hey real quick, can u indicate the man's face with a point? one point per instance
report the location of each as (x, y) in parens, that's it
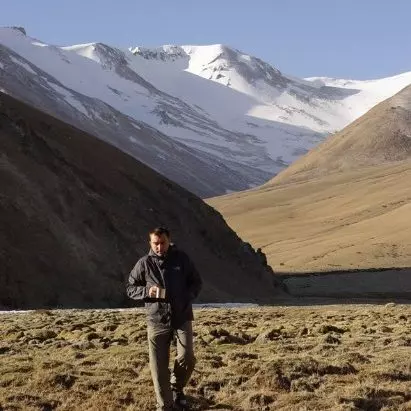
(159, 244)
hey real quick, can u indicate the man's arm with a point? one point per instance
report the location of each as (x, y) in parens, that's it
(194, 281)
(136, 287)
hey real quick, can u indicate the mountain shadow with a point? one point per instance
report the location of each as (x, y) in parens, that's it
(74, 217)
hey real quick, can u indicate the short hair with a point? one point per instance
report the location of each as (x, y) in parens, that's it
(160, 231)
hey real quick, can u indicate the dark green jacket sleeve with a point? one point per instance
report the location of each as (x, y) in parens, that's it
(136, 287)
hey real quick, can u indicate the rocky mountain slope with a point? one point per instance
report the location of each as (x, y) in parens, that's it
(74, 216)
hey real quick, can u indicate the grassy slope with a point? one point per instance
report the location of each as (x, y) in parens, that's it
(357, 219)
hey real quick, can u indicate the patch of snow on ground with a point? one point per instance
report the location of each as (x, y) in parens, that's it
(22, 64)
(70, 99)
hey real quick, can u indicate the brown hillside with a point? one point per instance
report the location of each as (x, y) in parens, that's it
(382, 135)
(351, 220)
(74, 213)
(345, 205)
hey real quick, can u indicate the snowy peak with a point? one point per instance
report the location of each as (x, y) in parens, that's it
(236, 114)
(222, 59)
(18, 28)
(109, 57)
(164, 53)
(217, 62)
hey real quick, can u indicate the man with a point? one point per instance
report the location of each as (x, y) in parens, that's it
(167, 281)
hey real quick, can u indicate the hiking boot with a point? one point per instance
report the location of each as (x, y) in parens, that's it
(180, 400)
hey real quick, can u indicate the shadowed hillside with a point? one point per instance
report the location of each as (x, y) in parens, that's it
(345, 205)
(74, 216)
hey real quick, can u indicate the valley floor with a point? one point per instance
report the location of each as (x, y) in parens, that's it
(330, 357)
(394, 284)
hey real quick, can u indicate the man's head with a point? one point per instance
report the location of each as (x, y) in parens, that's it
(160, 241)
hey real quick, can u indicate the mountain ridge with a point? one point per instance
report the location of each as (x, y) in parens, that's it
(238, 116)
(385, 137)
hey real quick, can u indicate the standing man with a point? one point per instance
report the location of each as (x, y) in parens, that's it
(167, 281)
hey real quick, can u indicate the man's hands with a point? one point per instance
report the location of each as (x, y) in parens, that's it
(152, 291)
(156, 292)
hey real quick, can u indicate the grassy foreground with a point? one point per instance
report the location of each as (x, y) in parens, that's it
(353, 357)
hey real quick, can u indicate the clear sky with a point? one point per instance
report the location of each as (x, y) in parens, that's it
(359, 39)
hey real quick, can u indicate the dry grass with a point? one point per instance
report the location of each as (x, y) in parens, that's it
(284, 358)
(351, 220)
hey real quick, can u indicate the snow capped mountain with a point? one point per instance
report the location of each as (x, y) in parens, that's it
(209, 117)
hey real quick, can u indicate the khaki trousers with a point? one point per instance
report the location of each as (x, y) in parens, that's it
(159, 341)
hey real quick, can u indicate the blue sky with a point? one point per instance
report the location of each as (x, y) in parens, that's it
(360, 39)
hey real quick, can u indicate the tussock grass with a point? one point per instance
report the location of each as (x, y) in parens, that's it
(353, 357)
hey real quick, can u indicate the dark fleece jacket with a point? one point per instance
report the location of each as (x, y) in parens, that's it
(176, 273)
